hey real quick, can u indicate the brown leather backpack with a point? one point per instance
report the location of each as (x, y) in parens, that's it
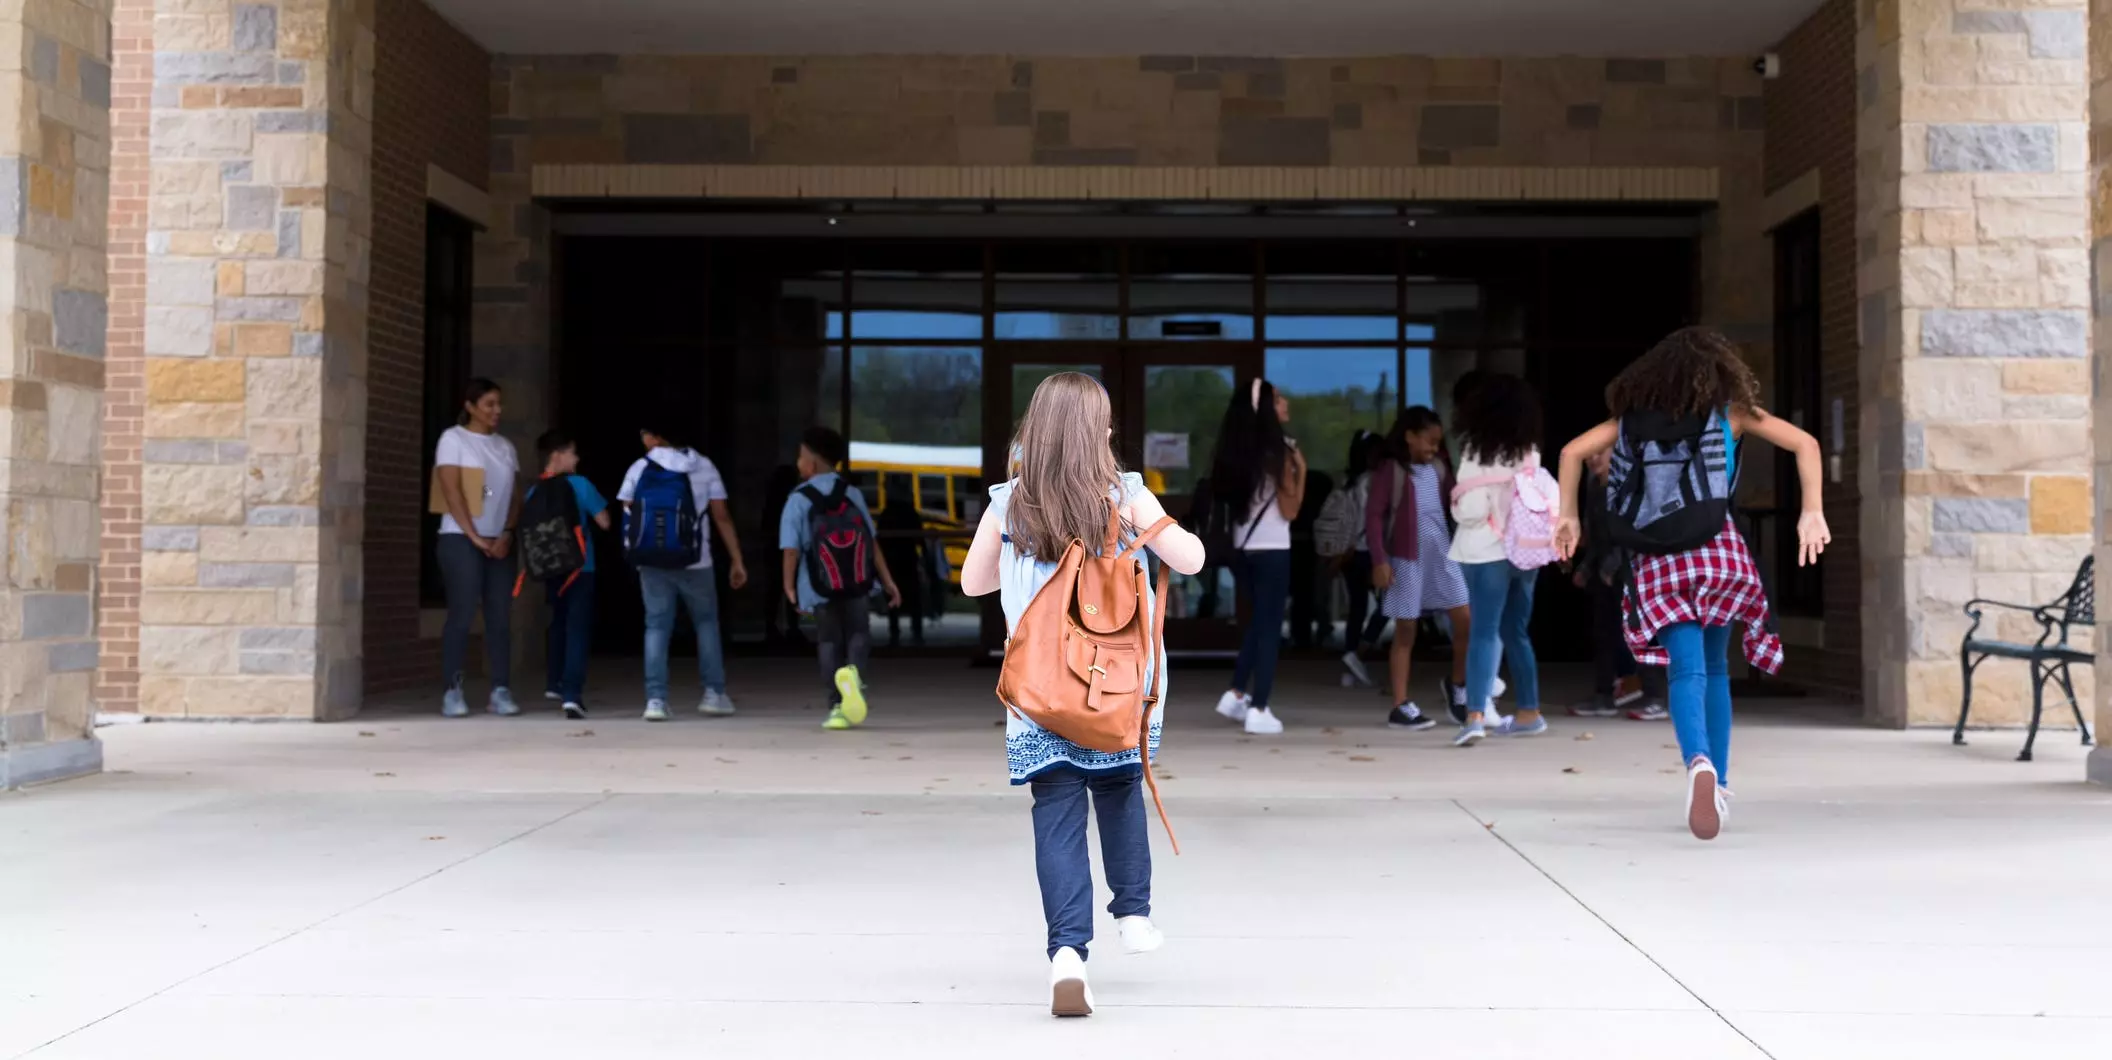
(1075, 662)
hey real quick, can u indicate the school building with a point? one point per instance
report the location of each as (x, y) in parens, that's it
(253, 249)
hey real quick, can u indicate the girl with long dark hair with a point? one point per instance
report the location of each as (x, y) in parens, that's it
(1411, 564)
(1499, 433)
(1681, 606)
(1259, 474)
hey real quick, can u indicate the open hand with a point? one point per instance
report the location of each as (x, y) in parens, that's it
(894, 595)
(1567, 534)
(1812, 537)
(738, 576)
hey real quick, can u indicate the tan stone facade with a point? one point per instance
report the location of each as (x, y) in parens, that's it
(255, 350)
(2101, 254)
(1975, 324)
(54, 191)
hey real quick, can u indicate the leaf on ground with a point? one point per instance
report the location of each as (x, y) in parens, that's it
(580, 734)
(905, 758)
(670, 765)
(1362, 746)
(1583, 737)
(1275, 750)
(868, 813)
(1668, 770)
(865, 758)
(434, 838)
(1571, 769)
(366, 734)
(1491, 826)
(1228, 767)
(1362, 758)
(728, 761)
(384, 774)
(1671, 747)
(1330, 731)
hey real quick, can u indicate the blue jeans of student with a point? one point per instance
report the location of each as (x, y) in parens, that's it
(1501, 599)
(1265, 576)
(1060, 857)
(571, 634)
(698, 590)
(1698, 692)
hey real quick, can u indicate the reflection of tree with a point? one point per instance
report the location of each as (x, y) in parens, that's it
(920, 397)
(1324, 421)
(1189, 401)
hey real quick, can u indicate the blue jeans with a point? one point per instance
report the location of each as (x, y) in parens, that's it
(698, 591)
(1698, 692)
(1265, 576)
(571, 632)
(1501, 599)
(1060, 857)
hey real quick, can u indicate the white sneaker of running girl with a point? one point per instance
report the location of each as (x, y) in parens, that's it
(1356, 668)
(1233, 706)
(1139, 934)
(1704, 805)
(1069, 993)
(1262, 722)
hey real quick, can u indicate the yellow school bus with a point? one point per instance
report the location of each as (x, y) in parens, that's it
(944, 483)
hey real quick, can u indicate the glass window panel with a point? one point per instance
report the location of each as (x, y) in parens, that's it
(917, 396)
(1333, 292)
(1334, 393)
(1452, 312)
(1184, 404)
(1192, 292)
(917, 291)
(809, 386)
(1025, 377)
(1058, 291)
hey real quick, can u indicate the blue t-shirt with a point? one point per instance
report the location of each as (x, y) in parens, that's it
(794, 533)
(591, 504)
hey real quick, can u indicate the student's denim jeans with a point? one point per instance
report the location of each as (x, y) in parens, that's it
(1500, 597)
(1698, 692)
(698, 590)
(474, 580)
(1060, 857)
(570, 637)
(1265, 576)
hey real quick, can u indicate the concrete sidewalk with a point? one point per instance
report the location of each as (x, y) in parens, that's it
(533, 887)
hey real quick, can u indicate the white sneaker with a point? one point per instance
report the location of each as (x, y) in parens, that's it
(1723, 805)
(1263, 722)
(1070, 995)
(656, 710)
(1139, 934)
(1233, 705)
(575, 711)
(716, 705)
(1356, 668)
(553, 697)
(1705, 812)
(1498, 688)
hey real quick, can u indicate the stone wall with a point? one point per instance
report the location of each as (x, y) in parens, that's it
(431, 108)
(1974, 286)
(255, 351)
(2101, 254)
(54, 191)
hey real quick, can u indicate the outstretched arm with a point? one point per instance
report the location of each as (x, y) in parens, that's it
(1581, 448)
(1812, 533)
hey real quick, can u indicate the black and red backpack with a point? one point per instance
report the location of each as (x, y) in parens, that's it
(840, 544)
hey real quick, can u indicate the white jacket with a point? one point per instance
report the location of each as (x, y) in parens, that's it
(1477, 540)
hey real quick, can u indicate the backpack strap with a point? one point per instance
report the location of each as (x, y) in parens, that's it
(1158, 691)
(813, 496)
(1145, 538)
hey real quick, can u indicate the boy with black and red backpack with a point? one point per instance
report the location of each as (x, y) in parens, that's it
(557, 549)
(832, 561)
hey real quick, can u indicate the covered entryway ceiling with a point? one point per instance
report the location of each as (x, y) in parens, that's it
(1129, 27)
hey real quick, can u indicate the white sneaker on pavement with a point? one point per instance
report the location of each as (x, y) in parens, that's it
(1069, 993)
(1233, 705)
(1705, 804)
(1263, 722)
(656, 710)
(1139, 934)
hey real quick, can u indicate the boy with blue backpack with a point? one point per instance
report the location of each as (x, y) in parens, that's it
(664, 495)
(557, 550)
(831, 563)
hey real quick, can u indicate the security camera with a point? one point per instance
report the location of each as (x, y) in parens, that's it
(1768, 66)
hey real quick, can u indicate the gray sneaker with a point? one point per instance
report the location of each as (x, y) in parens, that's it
(454, 706)
(502, 703)
(716, 705)
(1470, 734)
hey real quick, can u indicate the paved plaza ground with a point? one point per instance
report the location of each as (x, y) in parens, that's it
(406, 887)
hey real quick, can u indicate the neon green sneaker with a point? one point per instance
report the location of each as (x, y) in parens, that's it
(836, 720)
(853, 692)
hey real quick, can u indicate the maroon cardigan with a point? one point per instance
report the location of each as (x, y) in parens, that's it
(1380, 498)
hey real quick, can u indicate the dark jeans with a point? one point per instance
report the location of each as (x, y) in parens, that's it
(913, 594)
(1609, 646)
(1060, 858)
(843, 637)
(1265, 578)
(474, 580)
(571, 634)
(1356, 577)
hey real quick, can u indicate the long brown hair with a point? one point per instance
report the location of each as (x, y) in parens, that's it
(1067, 471)
(1692, 371)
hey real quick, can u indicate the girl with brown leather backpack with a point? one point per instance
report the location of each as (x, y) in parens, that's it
(1084, 678)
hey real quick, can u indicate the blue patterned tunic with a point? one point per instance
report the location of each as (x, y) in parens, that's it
(1029, 748)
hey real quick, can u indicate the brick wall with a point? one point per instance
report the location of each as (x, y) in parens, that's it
(1811, 126)
(431, 106)
(125, 373)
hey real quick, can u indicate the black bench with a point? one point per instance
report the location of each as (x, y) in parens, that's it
(2050, 656)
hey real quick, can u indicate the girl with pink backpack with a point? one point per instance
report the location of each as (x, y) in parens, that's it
(1506, 505)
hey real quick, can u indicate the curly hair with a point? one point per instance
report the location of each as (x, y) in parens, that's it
(1500, 421)
(1690, 372)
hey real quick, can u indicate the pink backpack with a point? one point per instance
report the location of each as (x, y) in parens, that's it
(1529, 532)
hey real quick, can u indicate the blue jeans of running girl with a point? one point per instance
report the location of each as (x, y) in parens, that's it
(1500, 597)
(1698, 692)
(1060, 858)
(1265, 576)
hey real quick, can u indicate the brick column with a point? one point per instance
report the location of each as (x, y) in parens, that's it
(54, 187)
(1975, 321)
(255, 339)
(125, 379)
(2100, 769)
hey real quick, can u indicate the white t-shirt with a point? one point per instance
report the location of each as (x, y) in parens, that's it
(705, 486)
(491, 454)
(1477, 540)
(1265, 528)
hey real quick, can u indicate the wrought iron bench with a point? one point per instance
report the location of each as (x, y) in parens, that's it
(2050, 656)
